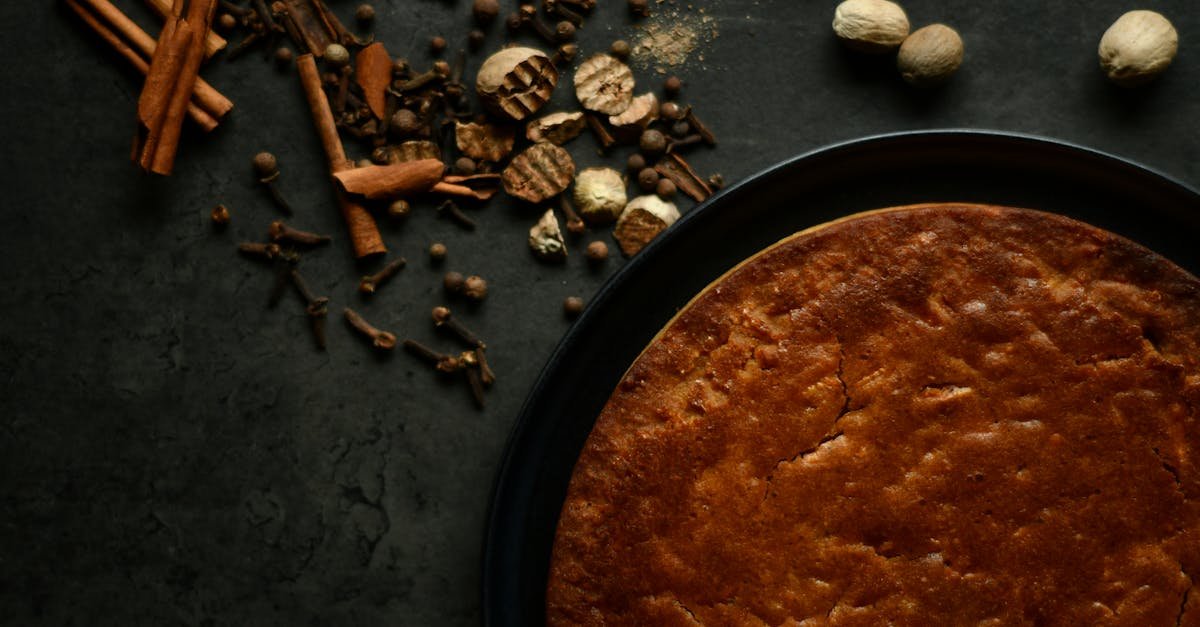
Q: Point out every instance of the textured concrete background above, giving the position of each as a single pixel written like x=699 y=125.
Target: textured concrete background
x=173 y=452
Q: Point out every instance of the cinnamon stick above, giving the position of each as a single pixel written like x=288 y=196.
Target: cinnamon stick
x=195 y=112
x=169 y=84
x=388 y=181
x=364 y=234
x=373 y=72
x=674 y=167
x=213 y=44
x=207 y=98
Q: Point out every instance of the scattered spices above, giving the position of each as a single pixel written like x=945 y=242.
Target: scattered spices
x=444 y=319
x=620 y=49
x=642 y=110
x=600 y=195
x=475 y=288
x=604 y=84
x=475 y=39
x=672 y=86
x=373 y=73
x=168 y=89
x=1139 y=46
x=263 y=251
x=572 y=306
x=485 y=11
x=368 y=284
x=220 y=216
x=546 y=239
x=213 y=43
x=437 y=252
x=399 y=208
x=381 y=340
x=575 y=225
x=464 y=166
x=635 y=164
x=596 y=252
x=281 y=232
x=437 y=44
x=266 y=167
x=652 y=143
x=684 y=177
x=648 y=180
x=670 y=37
x=316 y=307
x=602 y=135
x=556 y=128
x=516 y=82
x=336 y=56
x=542 y=171
x=871 y=26
x=930 y=55
x=283 y=57
x=365 y=14
x=641 y=221
x=665 y=189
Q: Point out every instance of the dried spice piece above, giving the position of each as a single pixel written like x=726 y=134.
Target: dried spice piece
x=381 y=340
x=643 y=219
x=480 y=187
x=556 y=128
x=372 y=282
x=572 y=306
x=930 y=55
x=314 y=24
x=600 y=195
x=213 y=43
x=603 y=137
x=684 y=177
x=364 y=233
x=604 y=84
x=390 y=181
x=633 y=121
x=516 y=82
x=546 y=239
x=170 y=80
x=871 y=26
x=414 y=150
x=207 y=105
x=373 y=72
x=542 y=171
x=487 y=142
x=1138 y=47
x=596 y=252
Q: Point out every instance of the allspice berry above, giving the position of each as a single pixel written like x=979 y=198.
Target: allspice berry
x=283 y=56
x=453 y=282
x=652 y=143
x=485 y=11
x=665 y=189
x=620 y=49
x=930 y=55
x=226 y=22
x=437 y=44
x=336 y=56
x=871 y=26
x=596 y=251
x=1138 y=47
x=572 y=306
x=365 y=14
x=475 y=288
x=672 y=85
x=636 y=163
x=648 y=180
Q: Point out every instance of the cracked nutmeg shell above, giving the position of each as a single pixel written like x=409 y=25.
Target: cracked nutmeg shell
x=546 y=239
x=604 y=84
x=516 y=82
x=556 y=128
x=486 y=142
x=542 y=171
x=641 y=221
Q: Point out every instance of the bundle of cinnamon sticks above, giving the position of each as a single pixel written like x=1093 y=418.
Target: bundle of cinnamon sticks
x=173 y=90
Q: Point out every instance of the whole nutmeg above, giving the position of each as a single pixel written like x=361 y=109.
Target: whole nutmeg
x=600 y=195
x=870 y=26
x=1137 y=48
x=930 y=55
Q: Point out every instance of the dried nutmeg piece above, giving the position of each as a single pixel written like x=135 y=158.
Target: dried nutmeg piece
x=542 y=171
x=556 y=128
x=516 y=82
x=643 y=219
x=487 y=142
x=600 y=195
x=930 y=55
x=1138 y=47
x=641 y=112
x=546 y=239
x=415 y=150
x=604 y=84
x=871 y=26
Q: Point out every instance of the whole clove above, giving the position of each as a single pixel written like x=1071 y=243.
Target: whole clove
x=450 y=209
x=281 y=232
x=316 y=307
x=368 y=284
x=381 y=340
x=266 y=167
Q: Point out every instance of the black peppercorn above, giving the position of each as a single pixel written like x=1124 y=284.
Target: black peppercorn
x=647 y=180
x=652 y=143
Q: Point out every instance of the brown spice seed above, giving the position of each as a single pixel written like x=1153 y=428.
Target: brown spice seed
x=437 y=44
x=453 y=282
x=597 y=251
x=475 y=288
x=648 y=180
x=365 y=13
x=665 y=189
x=437 y=253
x=485 y=11
x=220 y=216
x=572 y=306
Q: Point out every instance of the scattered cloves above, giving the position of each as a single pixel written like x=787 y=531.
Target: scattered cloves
x=317 y=307
x=260 y=250
x=267 y=169
x=279 y=232
x=450 y=209
x=575 y=224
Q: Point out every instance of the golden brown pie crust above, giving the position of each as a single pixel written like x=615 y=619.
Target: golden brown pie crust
x=929 y=415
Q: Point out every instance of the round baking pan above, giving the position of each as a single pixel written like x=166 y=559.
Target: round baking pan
x=897 y=169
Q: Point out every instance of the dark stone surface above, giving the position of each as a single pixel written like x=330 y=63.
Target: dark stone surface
x=173 y=452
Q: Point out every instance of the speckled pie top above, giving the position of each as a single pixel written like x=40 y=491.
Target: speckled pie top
x=931 y=415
